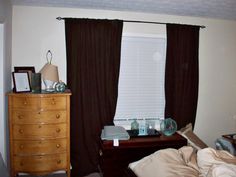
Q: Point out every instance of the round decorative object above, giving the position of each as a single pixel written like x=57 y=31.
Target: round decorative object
x=168 y=126
x=60 y=87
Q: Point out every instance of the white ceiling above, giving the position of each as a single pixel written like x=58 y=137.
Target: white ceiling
x=221 y=9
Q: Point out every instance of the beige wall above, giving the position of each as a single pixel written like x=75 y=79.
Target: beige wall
x=5 y=71
x=35 y=30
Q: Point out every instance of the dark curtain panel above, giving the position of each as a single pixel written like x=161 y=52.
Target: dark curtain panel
x=93 y=61
x=181 y=75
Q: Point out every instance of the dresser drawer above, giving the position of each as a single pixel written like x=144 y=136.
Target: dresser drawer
x=53 y=103
x=40 y=131
x=31 y=103
x=40 y=147
x=32 y=117
x=33 y=164
x=45 y=103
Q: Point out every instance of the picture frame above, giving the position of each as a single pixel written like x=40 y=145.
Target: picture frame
x=24 y=68
x=29 y=69
x=21 y=82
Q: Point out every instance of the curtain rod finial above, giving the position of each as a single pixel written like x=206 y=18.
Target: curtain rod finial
x=59 y=18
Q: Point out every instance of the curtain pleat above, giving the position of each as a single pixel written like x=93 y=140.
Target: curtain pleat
x=93 y=62
x=181 y=75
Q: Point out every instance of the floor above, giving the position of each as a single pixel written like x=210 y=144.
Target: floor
x=52 y=175
x=62 y=175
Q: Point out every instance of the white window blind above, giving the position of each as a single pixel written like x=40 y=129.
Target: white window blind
x=141 y=81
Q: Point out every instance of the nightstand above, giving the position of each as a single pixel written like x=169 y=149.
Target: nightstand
x=114 y=160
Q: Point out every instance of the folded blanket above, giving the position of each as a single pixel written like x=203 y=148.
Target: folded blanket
x=111 y=132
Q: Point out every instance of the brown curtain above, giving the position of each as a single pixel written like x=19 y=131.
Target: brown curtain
x=93 y=61
x=181 y=75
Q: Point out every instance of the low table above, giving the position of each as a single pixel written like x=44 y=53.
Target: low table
x=114 y=160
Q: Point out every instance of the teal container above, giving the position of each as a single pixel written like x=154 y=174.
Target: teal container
x=168 y=126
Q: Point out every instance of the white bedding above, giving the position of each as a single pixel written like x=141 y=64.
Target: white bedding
x=186 y=163
x=216 y=163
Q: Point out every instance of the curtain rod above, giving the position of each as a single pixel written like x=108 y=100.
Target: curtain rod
x=137 y=21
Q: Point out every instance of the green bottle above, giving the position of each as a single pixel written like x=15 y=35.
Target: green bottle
x=134 y=125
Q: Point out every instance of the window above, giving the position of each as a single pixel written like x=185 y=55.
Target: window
x=141 y=82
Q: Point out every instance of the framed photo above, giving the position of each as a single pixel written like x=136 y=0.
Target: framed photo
x=21 y=81
x=29 y=69
x=24 y=69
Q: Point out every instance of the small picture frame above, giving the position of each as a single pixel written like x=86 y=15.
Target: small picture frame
x=21 y=82
x=24 y=69
x=29 y=69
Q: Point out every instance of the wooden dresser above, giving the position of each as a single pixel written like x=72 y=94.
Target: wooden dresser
x=39 y=126
x=114 y=161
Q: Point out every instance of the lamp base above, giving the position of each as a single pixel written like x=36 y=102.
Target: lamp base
x=49 y=85
x=49 y=90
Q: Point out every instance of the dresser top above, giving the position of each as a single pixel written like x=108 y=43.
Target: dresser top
x=42 y=93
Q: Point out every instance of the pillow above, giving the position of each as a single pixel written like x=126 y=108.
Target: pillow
x=224 y=144
x=167 y=163
x=193 y=139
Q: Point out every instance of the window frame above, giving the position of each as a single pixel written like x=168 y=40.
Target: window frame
x=126 y=122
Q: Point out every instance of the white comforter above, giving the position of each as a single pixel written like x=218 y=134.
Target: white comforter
x=186 y=163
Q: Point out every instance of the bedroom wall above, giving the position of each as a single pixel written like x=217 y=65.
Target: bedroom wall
x=36 y=30
x=5 y=71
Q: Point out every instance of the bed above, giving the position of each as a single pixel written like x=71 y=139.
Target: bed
x=206 y=162
x=194 y=160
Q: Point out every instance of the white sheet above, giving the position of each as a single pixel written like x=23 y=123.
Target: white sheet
x=184 y=162
x=216 y=163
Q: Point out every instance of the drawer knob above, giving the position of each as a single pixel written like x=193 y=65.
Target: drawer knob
x=40 y=126
x=58 y=116
x=58 y=130
x=58 y=145
x=21 y=163
x=53 y=102
x=100 y=152
x=21 y=131
x=25 y=102
x=20 y=117
x=21 y=146
x=58 y=161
